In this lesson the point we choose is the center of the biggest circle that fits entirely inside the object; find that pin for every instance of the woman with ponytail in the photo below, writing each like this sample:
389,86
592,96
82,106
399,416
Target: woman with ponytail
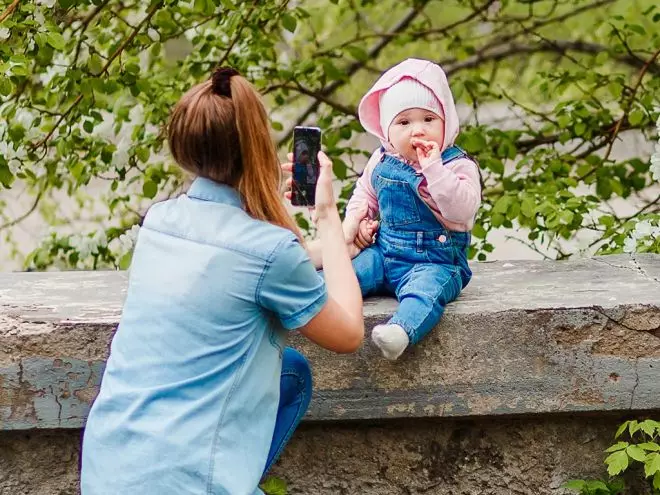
200,394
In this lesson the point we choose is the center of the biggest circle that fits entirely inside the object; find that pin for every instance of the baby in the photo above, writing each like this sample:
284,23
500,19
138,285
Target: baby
425,190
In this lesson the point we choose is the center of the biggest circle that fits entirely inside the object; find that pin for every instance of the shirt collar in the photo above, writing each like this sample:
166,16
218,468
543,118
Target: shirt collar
209,190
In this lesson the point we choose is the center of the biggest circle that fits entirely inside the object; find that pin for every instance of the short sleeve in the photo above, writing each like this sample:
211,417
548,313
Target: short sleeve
290,286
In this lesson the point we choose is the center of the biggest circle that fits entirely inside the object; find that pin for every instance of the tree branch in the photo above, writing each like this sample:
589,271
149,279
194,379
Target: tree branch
121,48
630,100
354,67
24,215
553,20
527,144
9,11
501,52
318,96
238,35
85,24
650,205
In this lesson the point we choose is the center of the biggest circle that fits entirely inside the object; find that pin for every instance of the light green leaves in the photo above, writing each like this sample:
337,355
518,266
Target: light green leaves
274,486
289,22
56,40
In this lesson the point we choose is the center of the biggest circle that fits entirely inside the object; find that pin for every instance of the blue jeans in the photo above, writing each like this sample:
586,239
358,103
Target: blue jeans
295,394
424,274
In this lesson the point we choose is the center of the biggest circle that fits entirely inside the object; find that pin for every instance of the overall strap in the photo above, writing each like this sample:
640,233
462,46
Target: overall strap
453,153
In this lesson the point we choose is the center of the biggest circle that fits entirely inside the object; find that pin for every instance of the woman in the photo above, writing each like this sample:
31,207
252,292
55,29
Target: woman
199,394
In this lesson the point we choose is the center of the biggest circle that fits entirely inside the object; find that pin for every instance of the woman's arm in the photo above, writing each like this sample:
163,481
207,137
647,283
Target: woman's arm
339,326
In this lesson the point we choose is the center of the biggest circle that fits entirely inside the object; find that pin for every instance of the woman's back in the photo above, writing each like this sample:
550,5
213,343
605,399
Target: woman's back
191,386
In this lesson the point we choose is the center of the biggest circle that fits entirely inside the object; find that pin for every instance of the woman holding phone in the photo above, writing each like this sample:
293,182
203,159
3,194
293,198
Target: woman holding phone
200,394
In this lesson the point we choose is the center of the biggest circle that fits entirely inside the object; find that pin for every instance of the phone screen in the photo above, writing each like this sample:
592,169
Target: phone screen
306,146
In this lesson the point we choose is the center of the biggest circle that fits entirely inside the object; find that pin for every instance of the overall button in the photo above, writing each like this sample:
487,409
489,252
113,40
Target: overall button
442,238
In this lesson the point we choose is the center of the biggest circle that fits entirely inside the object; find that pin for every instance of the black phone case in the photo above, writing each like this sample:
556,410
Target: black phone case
306,145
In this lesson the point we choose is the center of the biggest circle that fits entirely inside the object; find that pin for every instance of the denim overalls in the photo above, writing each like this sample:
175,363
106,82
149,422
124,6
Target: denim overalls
414,257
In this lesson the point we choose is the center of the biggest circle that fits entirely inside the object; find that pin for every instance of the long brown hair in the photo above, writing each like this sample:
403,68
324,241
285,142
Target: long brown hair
220,130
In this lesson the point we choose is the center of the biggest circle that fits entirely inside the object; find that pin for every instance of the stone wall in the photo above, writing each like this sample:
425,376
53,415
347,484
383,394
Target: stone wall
520,387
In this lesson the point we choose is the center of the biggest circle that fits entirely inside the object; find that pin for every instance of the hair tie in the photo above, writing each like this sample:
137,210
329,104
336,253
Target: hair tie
220,81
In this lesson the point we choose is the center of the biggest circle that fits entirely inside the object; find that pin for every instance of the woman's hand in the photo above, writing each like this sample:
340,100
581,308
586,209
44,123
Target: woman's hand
325,199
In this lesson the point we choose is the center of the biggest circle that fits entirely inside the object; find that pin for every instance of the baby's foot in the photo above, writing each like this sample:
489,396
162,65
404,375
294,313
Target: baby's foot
391,339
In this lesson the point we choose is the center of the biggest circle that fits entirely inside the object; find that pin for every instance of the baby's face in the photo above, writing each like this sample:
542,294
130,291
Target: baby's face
415,123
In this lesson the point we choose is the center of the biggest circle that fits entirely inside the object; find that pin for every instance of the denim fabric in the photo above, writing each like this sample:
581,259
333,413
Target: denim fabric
295,394
191,391
414,258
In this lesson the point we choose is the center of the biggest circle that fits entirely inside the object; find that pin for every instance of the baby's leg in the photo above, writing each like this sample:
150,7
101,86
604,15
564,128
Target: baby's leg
423,293
369,267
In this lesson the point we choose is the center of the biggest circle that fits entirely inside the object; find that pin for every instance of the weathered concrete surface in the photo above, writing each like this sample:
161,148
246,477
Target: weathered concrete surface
42,462
449,457
505,456
524,338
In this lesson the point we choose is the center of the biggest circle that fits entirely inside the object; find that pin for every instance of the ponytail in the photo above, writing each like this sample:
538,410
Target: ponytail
220,130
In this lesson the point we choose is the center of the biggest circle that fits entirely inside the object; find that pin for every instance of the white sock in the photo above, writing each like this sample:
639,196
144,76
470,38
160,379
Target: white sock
391,339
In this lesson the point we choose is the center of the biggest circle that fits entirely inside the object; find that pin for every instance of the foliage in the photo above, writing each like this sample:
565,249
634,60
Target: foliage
273,486
87,86
642,448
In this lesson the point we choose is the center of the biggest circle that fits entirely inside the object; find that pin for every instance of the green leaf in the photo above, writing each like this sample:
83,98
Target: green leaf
636,117
56,40
142,153
200,6
6,87
358,53
564,120
125,261
608,221
617,446
88,125
502,204
478,231
617,462
474,142
656,480
566,216
274,486
20,70
340,169
633,426
149,189
574,485
6,177
302,221
650,446
601,58
648,427
636,453
637,29
652,464
289,22
596,486
528,207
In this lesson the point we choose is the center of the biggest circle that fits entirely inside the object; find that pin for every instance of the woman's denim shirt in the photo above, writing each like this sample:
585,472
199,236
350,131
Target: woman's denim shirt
189,396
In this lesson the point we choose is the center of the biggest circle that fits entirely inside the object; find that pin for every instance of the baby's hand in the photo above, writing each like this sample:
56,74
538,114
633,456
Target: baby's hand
365,234
427,151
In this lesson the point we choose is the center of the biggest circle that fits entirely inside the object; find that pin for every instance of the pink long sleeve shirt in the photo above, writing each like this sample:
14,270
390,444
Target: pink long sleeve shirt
452,191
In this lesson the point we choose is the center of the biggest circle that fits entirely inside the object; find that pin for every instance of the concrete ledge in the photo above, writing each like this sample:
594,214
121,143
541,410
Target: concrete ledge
524,338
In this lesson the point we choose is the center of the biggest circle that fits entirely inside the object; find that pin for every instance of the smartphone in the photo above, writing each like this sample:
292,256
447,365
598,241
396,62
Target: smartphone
306,147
